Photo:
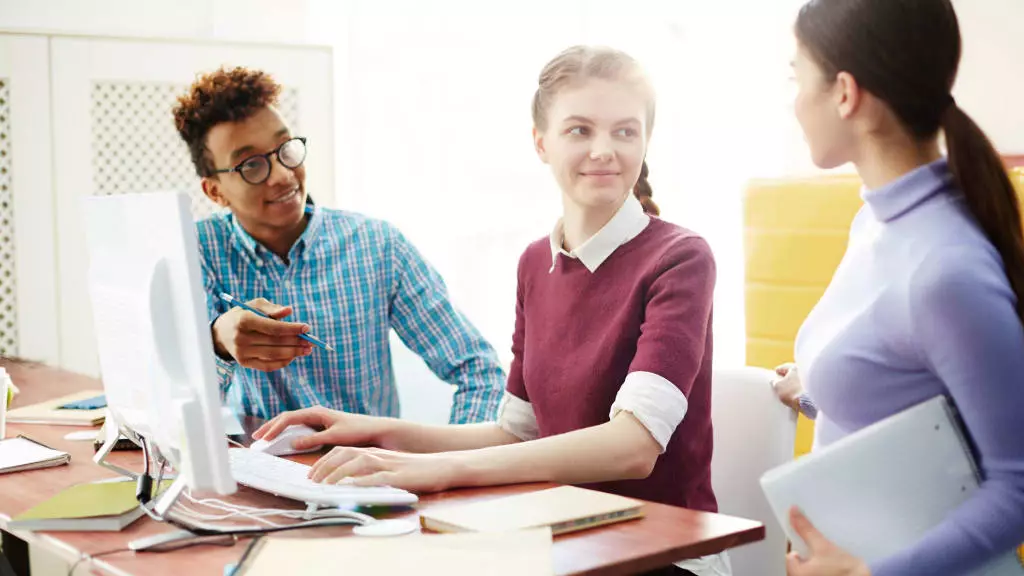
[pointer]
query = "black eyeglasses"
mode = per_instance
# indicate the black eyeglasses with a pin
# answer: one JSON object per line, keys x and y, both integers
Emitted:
{"x": 256, "y": 169}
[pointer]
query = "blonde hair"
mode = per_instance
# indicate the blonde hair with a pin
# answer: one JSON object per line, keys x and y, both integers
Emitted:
{"x": 578, "y": 63}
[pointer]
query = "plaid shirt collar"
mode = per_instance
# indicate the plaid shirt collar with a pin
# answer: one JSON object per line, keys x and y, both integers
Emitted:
{"x": 259, "y": 253}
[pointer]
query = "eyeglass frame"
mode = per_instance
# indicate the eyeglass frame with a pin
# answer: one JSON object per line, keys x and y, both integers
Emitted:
{"x": 266, "y": 156}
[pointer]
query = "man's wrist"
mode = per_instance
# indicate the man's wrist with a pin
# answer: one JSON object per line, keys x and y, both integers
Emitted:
{"x": 219, "y": 350}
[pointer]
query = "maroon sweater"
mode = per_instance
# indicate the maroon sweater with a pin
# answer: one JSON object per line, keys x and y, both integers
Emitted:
{"x": 647, "y": 308}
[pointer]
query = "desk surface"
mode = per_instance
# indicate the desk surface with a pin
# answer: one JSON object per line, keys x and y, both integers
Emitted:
{"x": 665, "y": 535}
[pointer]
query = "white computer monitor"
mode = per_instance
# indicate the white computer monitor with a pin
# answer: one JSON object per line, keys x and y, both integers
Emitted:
{"x": 153, "y": 334}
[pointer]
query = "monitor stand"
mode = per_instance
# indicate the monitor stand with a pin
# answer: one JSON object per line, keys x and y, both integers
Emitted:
{"x": 115, "y": 433}
{"x": 164, "y": 501}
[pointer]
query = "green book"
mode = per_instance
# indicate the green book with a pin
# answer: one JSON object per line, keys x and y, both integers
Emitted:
{"x": 96, "y": 506}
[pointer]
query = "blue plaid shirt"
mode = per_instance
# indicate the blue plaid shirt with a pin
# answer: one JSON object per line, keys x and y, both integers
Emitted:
{"x": 352, "y": 279}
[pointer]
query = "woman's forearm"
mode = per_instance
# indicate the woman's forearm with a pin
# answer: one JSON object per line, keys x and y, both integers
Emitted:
{"x": 617, "y": 450}
{"x": 424, "y": 438}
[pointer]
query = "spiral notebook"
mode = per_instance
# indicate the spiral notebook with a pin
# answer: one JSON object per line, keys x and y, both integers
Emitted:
{"x": 882, "y": 488}
{"x": 22, "y": 453}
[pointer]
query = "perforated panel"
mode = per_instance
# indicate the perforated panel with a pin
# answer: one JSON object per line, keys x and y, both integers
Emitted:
{"x": 136, "y": 148}
{"x": 8, "y": 295}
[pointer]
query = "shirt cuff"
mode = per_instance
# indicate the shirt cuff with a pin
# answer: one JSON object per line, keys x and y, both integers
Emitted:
{"x": 221, "y": 361}
{"x": 807, "y": 406}
{"x": 225, "y": 367}
{"x": 711, "y": 565}
{"x": 654, "y": 401}
{"x": 516, "y": 416}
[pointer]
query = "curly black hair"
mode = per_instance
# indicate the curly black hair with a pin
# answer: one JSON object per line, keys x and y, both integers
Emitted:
{"x": 220, "y": 96}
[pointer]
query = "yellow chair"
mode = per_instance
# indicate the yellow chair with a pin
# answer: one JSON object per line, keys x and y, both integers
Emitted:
{"x": 795, "y": 233}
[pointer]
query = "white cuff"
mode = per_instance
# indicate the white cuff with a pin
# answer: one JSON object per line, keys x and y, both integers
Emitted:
{"x": 713, "y": 565}
{"x": 654, "y": 401}
{"x": 516, "y": 416}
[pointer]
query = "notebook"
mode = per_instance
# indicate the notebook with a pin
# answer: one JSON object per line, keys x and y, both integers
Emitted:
{"x": 880, "y": 489}
{"x": 121, "y": 444}
{"x": 521, "y": 553}
{"x": 98, "y": 506}
{"x": 48, "y": 413}
{"x": 22, "y": 453}
{"x": 563, "y": 509}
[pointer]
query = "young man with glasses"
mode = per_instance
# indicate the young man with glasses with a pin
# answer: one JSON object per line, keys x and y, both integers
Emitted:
{"x": 344, "y": 277}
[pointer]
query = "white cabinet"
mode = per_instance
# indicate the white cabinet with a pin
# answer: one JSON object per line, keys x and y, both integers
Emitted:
{"x": 93, "y": 116}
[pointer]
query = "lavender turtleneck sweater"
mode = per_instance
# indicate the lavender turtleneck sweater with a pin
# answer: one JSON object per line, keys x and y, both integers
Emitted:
{"x": 921, "y": 306}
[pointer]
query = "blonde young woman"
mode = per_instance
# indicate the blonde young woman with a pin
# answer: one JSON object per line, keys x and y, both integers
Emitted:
{"x": 610, "y": 384}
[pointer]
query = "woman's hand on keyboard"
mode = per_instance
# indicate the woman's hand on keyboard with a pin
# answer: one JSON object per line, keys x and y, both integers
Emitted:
{"x": 379, "y": 467}
{"x": 336, "y": 428}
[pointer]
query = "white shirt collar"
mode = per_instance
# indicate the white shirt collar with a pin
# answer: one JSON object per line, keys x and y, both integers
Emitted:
{"x": 625, "y": 225}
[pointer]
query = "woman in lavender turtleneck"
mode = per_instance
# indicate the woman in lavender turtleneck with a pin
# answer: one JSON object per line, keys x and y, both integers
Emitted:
{"x": 927, "y": 299}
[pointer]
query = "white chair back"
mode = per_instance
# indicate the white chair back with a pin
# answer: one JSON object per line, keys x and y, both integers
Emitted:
{"x": 753, "y": 433}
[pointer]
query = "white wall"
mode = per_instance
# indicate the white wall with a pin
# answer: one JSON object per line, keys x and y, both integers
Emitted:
{"x": 253, "y": 20}
{"x": 436, "y": 118}
{"x": 990, "y": 87}
{"x": 991, "y": 82}
{"x": 118, "y": 17}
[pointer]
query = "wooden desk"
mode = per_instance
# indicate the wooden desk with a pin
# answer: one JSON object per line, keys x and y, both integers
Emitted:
{"x": 667, "y": 534}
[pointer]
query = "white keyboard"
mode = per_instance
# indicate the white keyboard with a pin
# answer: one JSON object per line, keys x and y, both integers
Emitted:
{"x": 288, "y": 479}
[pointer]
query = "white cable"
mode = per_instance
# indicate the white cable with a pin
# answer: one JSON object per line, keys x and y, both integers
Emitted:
{"x": 201, "y": 521}
{"x": 243, "y": 529}
{"x": 218, "y": 518}
{"x": 241, "y": 513}
{"x": 291, "y": 513}
{"x": 308, "y": 517}
{"x": 233, "y": 509}
{"x": 193, "y": 515}
{"x": 197, "y": 520}
{"x": 258, "y": 514}
{"x": 214, "y": 501}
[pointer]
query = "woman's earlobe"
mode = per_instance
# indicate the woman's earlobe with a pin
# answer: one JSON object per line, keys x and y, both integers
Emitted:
{"x": 541, "y": 153}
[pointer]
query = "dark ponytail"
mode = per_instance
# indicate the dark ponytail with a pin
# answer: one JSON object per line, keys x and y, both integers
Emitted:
{"x": 906, "y": 53}
{"x": 643, "y": 192}
{"x": 987, "y": 189}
